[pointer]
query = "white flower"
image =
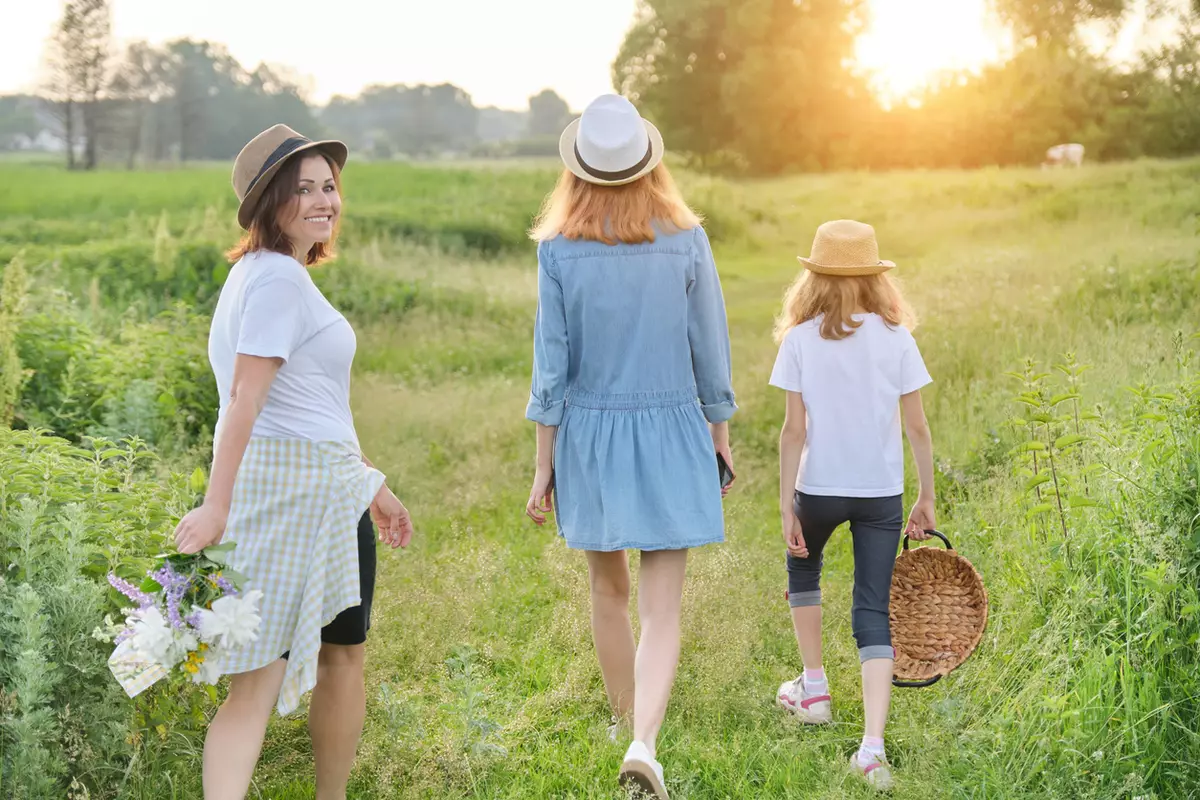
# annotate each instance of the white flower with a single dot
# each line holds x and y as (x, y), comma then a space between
(210, 671)
(154, 638)
(232, 622)
(151, 635)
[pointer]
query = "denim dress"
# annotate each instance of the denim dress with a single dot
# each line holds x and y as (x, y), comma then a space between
(630, 360)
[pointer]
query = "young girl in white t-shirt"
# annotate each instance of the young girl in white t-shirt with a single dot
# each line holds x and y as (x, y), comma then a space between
(851, 369)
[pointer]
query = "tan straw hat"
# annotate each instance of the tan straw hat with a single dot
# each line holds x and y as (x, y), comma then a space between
(610, 144)
(264, 155)
(845, 247)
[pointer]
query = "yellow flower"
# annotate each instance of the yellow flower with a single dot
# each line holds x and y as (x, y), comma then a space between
(191, 668)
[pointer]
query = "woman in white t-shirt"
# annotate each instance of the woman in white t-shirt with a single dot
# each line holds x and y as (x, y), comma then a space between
(290, 484)
(851, 369)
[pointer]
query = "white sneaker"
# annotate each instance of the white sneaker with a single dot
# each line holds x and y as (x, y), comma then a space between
(642, 772)
(876, 773)
(811, 709)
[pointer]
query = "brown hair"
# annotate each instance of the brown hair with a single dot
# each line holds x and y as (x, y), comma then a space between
(264, 232)
(837, 298)
(610, 214)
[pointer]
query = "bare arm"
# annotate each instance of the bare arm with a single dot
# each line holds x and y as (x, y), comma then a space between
(540, 496)
(920, 440)
(791, 448)
(545, 447)
(252, 379)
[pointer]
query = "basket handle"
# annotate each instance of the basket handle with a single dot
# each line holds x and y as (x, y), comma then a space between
(930, 681)
(938, 534)
(915, 684)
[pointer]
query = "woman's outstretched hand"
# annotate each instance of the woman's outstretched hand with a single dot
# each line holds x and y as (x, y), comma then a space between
(391, 518)
(541, 500)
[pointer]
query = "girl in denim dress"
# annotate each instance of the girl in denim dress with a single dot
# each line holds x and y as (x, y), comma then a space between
(631, 392)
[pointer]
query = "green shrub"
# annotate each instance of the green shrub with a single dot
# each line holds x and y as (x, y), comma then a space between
(67, 516)
(150, 379)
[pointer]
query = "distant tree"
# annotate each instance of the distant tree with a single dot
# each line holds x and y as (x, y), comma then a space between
(77, 66)
(417, 120)
(1040, 22)
(498, 124)
(137, 84)
(548, 113)
(18, 120)
(765, 78)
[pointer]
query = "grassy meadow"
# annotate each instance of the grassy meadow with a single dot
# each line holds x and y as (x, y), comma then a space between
(481, 678)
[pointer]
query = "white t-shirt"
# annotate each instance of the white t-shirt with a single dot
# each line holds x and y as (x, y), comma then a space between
(270, 307)
(851, 389)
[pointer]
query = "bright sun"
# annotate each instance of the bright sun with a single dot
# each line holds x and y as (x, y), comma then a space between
(908, 42)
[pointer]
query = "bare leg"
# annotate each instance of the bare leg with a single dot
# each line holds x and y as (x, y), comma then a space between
(660, 595)
(806, 620)
(236, 733)
(611, 629)
(335, 716)
(877, 694)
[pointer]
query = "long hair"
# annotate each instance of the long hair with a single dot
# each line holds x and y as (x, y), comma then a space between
(264, 232)
(836, 298)
(610, 214)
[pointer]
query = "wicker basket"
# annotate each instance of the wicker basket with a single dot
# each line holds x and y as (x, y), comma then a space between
(938, 611)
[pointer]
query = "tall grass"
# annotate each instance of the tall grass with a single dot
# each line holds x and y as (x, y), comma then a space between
(482, 681)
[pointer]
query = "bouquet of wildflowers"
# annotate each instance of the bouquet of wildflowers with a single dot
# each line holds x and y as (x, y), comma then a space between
(190, 610)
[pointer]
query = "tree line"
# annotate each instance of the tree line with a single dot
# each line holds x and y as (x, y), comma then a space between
(191, 100)
(746, 86)
(767, 86)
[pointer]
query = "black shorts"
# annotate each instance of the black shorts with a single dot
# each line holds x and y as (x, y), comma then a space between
(351, 625)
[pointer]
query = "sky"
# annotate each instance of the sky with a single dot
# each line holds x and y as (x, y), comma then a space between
(500, 51)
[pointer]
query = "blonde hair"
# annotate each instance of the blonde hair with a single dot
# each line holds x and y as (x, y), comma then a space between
(610, 214)
(838, 298)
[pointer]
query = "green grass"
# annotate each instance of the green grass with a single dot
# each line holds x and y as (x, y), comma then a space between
(482, 625)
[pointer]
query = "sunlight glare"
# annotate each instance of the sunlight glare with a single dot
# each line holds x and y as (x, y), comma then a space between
(908, 42)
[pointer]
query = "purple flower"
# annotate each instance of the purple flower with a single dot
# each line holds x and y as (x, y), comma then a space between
(225, 586)
(174, 587)
(126, 588)
(123, 635)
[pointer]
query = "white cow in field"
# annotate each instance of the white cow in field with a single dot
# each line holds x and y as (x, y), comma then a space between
(1063, 154)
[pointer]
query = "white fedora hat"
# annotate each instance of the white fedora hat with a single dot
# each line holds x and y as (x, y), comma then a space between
(610, 144)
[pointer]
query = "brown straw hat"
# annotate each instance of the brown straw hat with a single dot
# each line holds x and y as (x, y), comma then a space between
(847, 248)
(264, 155)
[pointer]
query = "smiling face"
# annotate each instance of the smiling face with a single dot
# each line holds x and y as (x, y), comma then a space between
(311, 216)
(298, 213)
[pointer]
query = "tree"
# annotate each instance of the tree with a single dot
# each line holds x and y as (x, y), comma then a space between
(138, 84)
(417, 120)
(77, 60)
(548, 113)
(766, 79)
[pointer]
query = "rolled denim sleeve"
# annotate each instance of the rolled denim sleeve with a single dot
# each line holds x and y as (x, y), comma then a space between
(708, 335)
(549, 345)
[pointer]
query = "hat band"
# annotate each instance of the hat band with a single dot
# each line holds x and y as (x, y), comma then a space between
(619, 175)
(285, 149)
